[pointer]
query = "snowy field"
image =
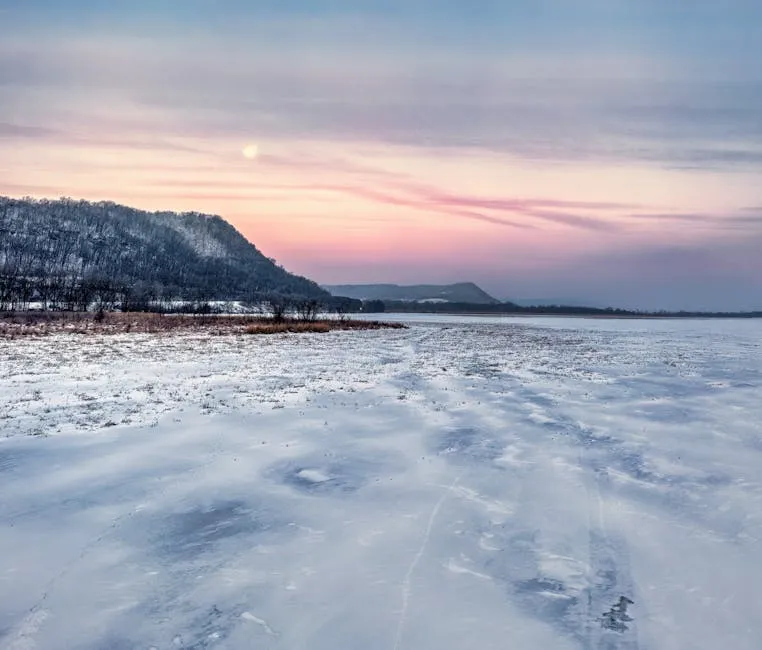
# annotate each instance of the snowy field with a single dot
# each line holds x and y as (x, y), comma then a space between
(467, 483)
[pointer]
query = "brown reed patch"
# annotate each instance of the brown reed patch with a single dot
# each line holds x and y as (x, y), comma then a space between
(18, 324)
(279, 328)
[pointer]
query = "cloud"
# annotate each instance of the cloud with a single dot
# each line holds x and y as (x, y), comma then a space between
(509, 204)
(340, 85)
(399, 190)
(534, 211)
(745, 219)
(8, 130)
(575, 220)
(306, 163)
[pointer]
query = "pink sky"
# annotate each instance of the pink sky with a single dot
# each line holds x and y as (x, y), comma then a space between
(632, 172)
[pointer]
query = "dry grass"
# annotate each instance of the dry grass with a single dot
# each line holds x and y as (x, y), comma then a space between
(16, 324)
(279, 328)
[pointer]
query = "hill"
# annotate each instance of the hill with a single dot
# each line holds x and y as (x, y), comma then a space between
(67, 253)
(462, 292)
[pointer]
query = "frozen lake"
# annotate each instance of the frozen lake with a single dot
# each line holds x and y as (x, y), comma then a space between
(469, 482)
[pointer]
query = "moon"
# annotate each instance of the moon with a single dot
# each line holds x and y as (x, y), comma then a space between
(250, 151)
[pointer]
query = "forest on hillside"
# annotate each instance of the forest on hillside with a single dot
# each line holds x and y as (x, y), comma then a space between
(71, 254)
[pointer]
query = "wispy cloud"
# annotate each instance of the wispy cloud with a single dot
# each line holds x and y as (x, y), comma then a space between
(574, 107)
(533, 211)
(746, 219)
(21, 131)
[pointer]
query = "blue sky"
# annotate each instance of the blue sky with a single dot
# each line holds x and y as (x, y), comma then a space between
(415, 141)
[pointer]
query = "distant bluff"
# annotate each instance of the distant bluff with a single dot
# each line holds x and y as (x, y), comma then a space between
(461, 292)
(185, 255)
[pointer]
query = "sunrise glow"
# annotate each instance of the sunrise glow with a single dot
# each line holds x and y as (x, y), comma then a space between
(550, 166)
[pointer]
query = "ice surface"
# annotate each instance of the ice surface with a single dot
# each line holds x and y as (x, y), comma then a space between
(466, 483)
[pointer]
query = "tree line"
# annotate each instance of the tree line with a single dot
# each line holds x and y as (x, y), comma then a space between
(554, 310)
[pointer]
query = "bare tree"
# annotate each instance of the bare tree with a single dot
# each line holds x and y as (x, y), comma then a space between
(278, 306)
(342, 307)
(308, 309)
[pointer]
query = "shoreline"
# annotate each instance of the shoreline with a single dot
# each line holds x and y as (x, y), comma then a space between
(740, 316)
(616, 317)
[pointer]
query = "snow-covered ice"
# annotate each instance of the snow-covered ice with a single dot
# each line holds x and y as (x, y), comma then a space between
(465, 483)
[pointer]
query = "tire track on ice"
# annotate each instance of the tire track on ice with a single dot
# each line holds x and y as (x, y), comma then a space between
(407, 582)
(609, 569)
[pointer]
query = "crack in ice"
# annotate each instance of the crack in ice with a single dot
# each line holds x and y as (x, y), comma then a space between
(406, 583)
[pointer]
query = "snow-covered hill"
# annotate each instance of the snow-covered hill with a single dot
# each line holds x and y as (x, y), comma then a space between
(461, 292)
(187, 255)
